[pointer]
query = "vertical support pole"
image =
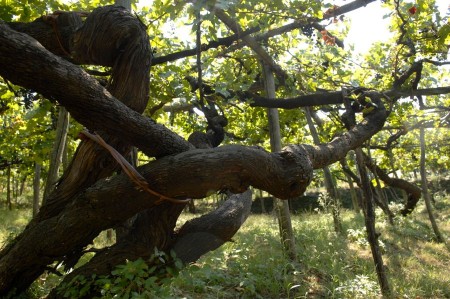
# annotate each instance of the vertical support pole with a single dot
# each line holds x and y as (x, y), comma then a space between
(281, 206)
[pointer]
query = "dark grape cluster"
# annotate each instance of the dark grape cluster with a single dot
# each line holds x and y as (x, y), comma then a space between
(28, 98)
(307, 30)
(3, 107)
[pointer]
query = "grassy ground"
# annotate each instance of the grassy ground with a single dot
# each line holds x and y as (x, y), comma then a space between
(329, 266)
(12, 223)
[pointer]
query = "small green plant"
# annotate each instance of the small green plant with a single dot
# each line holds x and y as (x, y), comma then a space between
(359, 287)
(78, 287)
(358, 236)
(134, 279)
(395, 207)
(325, 202)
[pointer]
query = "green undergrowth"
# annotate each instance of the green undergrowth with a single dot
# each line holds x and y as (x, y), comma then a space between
(12, 223)
(329, 265)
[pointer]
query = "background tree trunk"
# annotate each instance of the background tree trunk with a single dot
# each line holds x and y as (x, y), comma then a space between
(368, 205)
(263, 206)
(426, 194)
(191, 207)
(22, 185)
(36, 187)
(372, 236)
(281, 207)
(62, 128)
(353, 193)
(329, 183)
(382, 198)
(65, 156)
(15, 184)
(8, 187)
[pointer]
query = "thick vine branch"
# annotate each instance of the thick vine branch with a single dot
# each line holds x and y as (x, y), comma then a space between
(83, 96)
(111, 201)
(307, 100)
(334, 97)
(87, 101)
(346, 8)
(326, 154)
(210, 231)
(195, 238)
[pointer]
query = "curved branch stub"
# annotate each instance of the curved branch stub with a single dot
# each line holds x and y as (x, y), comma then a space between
(210, 231)
(298, 170)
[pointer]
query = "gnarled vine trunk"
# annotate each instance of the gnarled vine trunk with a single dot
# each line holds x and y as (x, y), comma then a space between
(90, 197)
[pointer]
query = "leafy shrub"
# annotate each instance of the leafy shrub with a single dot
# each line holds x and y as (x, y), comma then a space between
(359, 236)
(134, 279)
(359, 287)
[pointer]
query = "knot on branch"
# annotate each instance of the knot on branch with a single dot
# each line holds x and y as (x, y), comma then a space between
(297, 172)
(215, 132)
